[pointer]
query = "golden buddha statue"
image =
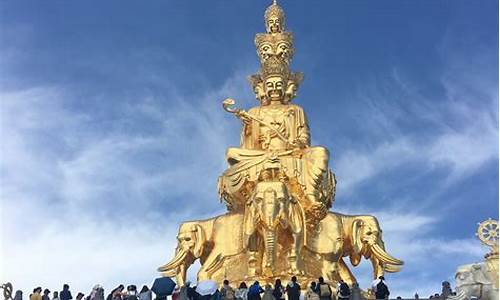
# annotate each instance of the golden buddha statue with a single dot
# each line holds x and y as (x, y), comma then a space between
(276, 133)
(278, 190)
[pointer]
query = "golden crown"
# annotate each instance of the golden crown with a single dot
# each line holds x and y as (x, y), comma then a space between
(279, 44)
(275, 67)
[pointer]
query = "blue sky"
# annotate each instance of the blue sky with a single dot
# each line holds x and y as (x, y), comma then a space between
(113, 133)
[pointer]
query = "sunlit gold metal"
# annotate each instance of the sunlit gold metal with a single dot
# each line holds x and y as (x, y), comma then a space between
(278, 190)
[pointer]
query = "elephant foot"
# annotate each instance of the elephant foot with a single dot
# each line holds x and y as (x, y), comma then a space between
(294, 269)
(268, 271)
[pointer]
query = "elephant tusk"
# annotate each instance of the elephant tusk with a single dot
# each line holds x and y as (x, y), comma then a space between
(175, 262)
(392, 268)
(216, 263)
(384, 257)
(459, 296)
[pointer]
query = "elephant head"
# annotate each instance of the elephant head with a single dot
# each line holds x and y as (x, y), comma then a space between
(271, 206)
(190, 241)
(473, 280)
(365, 238)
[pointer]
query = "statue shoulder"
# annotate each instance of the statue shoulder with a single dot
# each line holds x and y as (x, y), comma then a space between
(296, 107)
(254, 110)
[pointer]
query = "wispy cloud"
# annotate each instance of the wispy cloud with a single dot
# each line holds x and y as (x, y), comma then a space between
(97, 204)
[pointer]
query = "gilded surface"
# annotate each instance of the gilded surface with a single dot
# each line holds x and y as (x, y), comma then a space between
(278, 189)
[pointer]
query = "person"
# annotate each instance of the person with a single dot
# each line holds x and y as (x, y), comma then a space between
(279, 291)
(254, 291)
(323, 289)
(145, 293)
(36, 294)
(55, 295)
(381, 290)
(242, 292)
(131, 293)
(268, 292)
(416, 295)
(227, 292)
(293, 289)
(97, 293)
(116, 293)
(176, 292)
(343, 290)
(192, 294)
(18, 295)
(399, 298)
(79, 296)
(46, 294)
(311, 292)
(436, 295)
(355, 292)
(65, 294)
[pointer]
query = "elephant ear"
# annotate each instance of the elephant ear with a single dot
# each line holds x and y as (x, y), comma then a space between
(295, 217)
(249, 222)
(357, 242)
(200, 240)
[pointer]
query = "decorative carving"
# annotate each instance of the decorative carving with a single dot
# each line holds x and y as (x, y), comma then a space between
(278, 190)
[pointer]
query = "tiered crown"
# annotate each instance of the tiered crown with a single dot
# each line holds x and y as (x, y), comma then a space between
(275, 50)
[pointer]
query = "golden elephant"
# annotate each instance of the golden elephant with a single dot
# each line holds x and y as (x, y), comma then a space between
(273, 217)
(337, 236)
(212, 241)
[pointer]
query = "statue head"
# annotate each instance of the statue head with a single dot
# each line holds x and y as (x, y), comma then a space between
(274, 18)
(275, 76)
(274, 88)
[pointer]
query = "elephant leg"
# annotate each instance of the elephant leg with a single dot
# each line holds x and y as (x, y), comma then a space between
(378, 267)
(329, 268)
(253, 268)
(345, 274)
(181, 275)
(294, 258)
(210, 264)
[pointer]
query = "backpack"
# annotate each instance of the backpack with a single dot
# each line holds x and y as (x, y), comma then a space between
(344, 289)
(254, 290)
(382, 289)
(324, 290)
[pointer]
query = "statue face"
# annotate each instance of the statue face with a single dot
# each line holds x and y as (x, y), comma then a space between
(274, 87)
(283, 50)
(266, 51)
(274, 25)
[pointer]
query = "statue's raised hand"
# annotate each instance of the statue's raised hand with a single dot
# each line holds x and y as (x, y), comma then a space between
(241, 114)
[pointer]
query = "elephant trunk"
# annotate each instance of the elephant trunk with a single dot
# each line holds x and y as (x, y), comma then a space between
(270, 245)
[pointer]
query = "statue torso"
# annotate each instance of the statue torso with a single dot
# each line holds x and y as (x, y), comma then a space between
(280, 125)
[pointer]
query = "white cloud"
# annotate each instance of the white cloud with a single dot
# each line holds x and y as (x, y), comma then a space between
(80, 203)
(461, 133)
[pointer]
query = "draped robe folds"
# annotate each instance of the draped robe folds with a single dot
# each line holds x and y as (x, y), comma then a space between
(261, 145)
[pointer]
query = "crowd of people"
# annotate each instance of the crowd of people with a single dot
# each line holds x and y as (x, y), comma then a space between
(319, 290)
(97, 293)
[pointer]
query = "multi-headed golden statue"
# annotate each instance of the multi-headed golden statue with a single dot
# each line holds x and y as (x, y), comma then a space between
(278, 190)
